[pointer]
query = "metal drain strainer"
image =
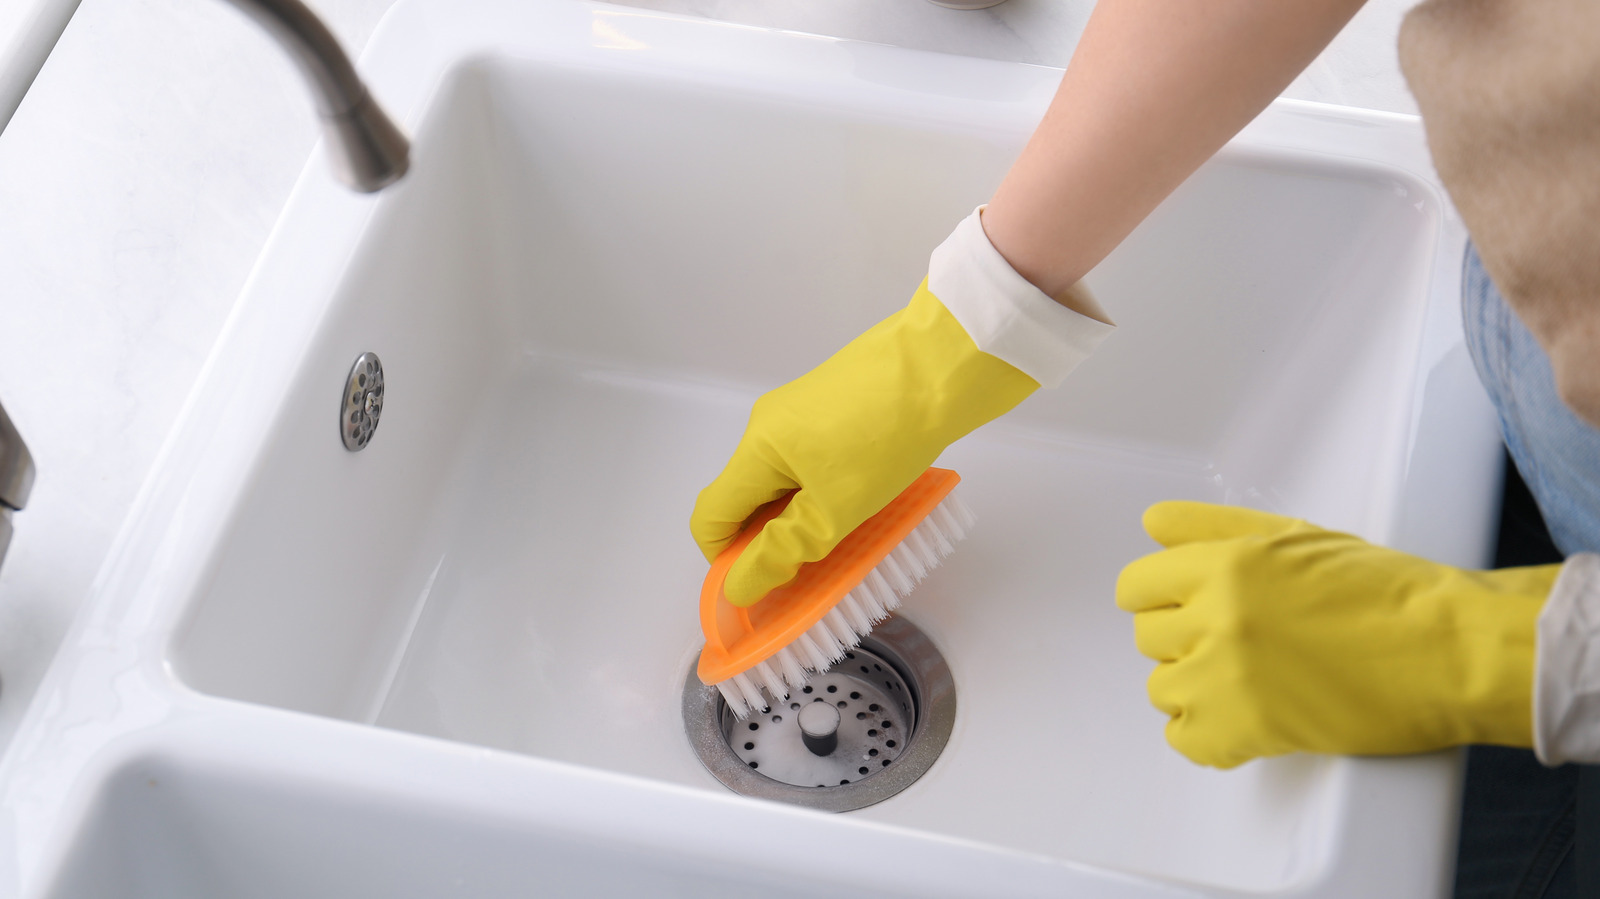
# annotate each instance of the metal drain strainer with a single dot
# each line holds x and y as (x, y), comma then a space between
(868, 715)
(857, 734)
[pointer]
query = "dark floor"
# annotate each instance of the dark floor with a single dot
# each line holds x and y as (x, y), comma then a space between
(1518, 817)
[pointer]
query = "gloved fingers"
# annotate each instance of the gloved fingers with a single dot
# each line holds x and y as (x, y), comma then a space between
(1189, 736)
(805, 531)
(1167, 689)
(747, 483)
(1177, 522)
(1166, 635)
(1172, 691)
(1196, 730)
(1188, 731)
(1164, 579)
(1207, 746)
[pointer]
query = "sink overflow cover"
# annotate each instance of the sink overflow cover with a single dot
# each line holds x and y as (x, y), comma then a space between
(362, 403)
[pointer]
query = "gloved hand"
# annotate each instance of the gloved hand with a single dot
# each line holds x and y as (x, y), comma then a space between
(1277, 636)
(849, 436)
(854, 432)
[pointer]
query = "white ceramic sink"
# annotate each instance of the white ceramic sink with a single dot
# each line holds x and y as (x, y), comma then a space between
(453, 661)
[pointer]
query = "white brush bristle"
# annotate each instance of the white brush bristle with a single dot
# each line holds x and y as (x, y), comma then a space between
(841, 630)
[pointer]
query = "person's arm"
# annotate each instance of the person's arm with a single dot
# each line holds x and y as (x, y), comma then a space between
(1154, 88)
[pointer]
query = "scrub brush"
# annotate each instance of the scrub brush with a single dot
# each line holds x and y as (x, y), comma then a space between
(809, 623)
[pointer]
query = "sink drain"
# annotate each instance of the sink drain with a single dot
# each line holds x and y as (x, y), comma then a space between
(856, 734)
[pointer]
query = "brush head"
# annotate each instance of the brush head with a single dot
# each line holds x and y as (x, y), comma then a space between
(809, 623)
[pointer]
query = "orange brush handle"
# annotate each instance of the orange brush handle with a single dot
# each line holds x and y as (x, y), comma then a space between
(738, 639)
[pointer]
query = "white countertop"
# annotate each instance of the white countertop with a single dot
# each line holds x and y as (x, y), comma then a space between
(143, 171)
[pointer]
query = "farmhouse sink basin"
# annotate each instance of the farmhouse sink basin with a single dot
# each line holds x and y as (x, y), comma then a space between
(452, 662)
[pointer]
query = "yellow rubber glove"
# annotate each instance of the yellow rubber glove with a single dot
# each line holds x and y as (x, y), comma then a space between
(1277, 636)
(850, 435)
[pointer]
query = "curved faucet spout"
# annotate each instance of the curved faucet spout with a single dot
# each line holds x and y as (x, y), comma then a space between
(369, 151)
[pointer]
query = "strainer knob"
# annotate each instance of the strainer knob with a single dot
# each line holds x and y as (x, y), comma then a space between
(819, 728)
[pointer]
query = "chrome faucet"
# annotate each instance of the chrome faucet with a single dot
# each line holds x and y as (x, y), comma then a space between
(369, 152)
(16, 477)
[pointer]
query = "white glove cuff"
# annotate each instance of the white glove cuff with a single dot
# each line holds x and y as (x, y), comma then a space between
(1007, 316)
(1566, 674)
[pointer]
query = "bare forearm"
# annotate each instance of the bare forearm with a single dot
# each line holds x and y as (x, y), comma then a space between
(1153, 90)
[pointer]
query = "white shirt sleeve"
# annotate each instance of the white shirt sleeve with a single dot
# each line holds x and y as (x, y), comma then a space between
(1007, 316)
(1566, 677)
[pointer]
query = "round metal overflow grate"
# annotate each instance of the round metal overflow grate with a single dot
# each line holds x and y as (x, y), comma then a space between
(855, 735)
(363, 402)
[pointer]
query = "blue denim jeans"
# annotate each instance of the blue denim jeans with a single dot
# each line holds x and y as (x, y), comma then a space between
(1520, 819)
(1557, 453)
